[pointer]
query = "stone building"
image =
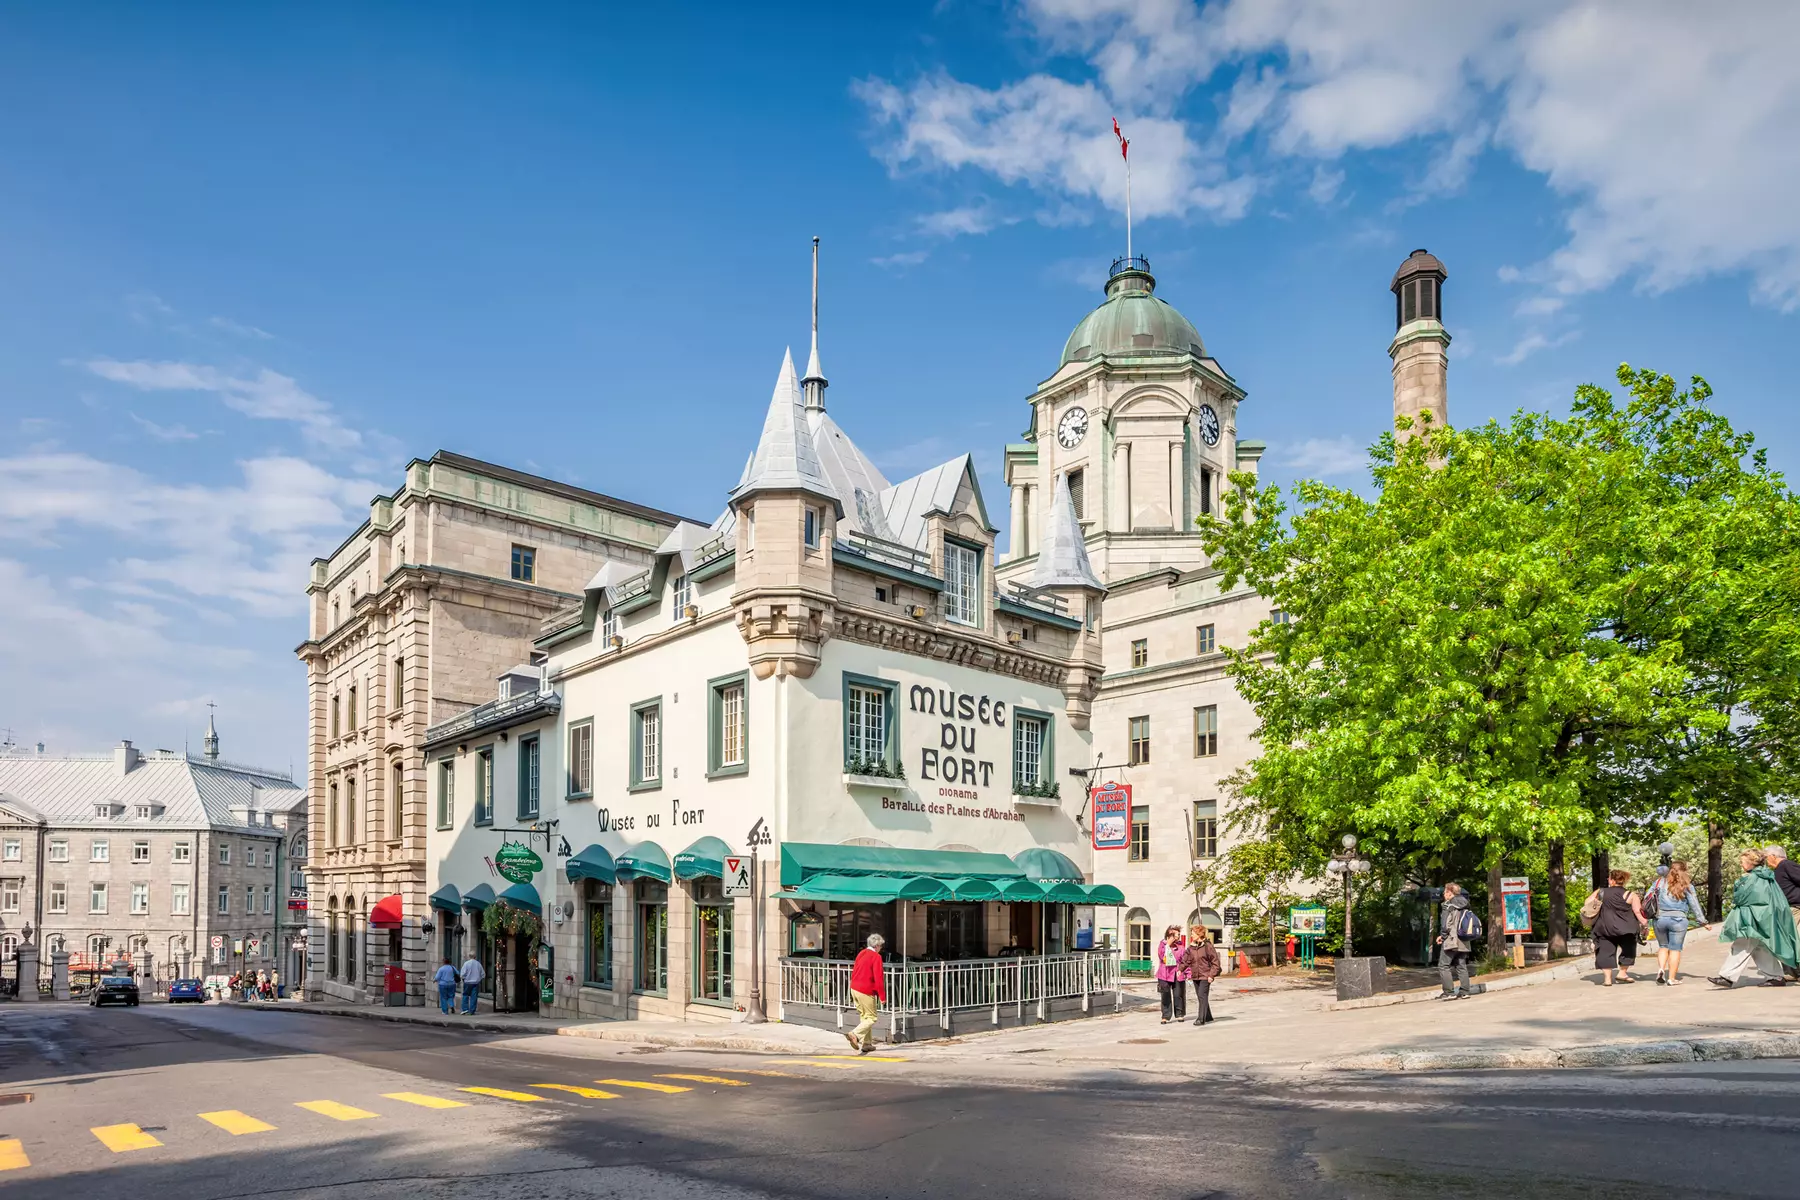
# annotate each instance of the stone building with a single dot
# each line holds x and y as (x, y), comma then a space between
(411, 619)
(147, 856)
(1141, 423)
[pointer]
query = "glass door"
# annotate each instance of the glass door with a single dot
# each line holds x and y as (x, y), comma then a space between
(712, 943)
(652, 938)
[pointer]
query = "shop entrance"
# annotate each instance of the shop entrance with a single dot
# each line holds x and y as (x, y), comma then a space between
(513, 974)
(712, 943)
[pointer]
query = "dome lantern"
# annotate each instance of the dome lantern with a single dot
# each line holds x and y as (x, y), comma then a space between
(1133, 321)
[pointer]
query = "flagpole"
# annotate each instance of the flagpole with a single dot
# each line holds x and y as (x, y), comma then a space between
(1128, 206)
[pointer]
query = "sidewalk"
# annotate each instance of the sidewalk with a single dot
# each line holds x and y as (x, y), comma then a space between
(1559, 1018)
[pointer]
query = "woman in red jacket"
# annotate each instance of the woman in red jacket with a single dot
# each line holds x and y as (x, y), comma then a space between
(868, 988)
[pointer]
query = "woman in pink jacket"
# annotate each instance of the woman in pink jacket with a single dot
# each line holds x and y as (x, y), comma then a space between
(1171, 977)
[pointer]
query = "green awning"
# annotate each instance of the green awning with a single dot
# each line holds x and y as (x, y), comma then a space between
(1064, 893)
(646, 860)
(521, 895)
(447, 899)
(706, 857)
(868, 889)
(1022, 891)
(973, 889)
(595, 862)
(1104, 893)
(478, 897)
(800, 861)
(1048, 866)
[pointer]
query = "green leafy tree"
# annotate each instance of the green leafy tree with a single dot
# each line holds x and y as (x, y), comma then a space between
(1261, 872)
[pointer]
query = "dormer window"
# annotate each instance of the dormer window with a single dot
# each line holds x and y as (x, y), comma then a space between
(684, 596)
(962, 582)
(145, 812)
(609, 626)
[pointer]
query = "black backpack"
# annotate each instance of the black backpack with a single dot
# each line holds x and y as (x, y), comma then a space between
(1468, 926)
(1647, 902)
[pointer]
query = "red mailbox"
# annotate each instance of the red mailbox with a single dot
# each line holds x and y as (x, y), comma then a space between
(395, 979)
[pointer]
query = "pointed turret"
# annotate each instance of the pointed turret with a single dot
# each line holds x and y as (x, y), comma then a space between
(210, 744)
(785, 458)
(814, 384)
(1062, 550)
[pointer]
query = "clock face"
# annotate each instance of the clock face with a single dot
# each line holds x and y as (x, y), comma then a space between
(1072, 428)
(1209, 425)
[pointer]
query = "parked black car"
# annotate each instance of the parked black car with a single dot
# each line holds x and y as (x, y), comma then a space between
(118, 988)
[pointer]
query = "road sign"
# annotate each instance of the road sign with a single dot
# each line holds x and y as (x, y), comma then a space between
(255, 943)
(218, 943)
(517, 862)
(1112, 816)
(737, 877)
(297, 905)
(1234, 916)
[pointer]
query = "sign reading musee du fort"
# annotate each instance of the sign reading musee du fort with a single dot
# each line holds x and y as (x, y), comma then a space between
(952, 748)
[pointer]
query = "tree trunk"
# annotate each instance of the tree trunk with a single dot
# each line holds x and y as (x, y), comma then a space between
(1602, 864)
(1715, 872)
(1559, 903)
(1496, 912)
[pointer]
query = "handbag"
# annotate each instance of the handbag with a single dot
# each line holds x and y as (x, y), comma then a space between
(1590, 910)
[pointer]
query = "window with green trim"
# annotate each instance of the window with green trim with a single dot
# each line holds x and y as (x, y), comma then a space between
(530, 772)
(871, 715)
(728, 726)
(962, 583)
(1034, 768)
(646, 744)
(581, 757)
(484, 786)
(446, 799)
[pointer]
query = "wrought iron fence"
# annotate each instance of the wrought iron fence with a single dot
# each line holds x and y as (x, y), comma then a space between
(1009, 986)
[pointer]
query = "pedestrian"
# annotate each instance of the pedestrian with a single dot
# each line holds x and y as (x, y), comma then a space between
(275, 984)
(1201, 961)
(1787, 876)
(472, 975)
(1617, 917)
(446, 978)
(1672, 899)
(1170, 988)
(1453, 948)
(868, 988)
(1760, 926)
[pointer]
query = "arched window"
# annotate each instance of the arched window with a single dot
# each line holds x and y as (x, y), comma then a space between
(1209, 918)
(331, 939)
(1137, 936)
(9, 947)
(352, 923)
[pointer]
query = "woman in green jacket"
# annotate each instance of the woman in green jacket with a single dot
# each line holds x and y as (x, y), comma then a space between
(1760, 927)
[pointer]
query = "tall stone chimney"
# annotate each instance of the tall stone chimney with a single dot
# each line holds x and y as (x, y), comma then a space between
(125, 758)
(1421, 344)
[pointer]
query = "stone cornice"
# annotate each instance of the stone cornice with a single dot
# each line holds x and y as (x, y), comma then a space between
(937, 642)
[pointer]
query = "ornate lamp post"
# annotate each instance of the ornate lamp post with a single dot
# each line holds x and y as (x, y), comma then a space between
(1346, 863)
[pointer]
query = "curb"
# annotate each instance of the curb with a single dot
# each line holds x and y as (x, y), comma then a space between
(1543, 975)
(1735, 1048)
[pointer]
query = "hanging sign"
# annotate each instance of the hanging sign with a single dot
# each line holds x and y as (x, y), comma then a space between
(517, 862)
(1515, 903)
(1112, 816)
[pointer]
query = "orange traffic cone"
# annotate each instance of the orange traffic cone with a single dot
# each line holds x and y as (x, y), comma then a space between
(1243, 964)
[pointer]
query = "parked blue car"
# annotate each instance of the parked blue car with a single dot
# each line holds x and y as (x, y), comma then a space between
(186, 990)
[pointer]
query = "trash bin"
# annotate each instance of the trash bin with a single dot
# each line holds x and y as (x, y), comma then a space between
(395, 978)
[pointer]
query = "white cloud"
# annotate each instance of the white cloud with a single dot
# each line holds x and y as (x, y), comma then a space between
(1325, 184)
(1531, 343)
(1667, 129)
(1317, 458)
(238, 329)
(165, 433)
(266, 395)
(906, 258)
(957, 222)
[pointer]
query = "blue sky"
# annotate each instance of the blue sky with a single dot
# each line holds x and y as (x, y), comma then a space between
(251, 262)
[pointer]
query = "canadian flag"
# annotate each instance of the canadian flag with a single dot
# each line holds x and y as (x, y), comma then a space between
(1124, 142)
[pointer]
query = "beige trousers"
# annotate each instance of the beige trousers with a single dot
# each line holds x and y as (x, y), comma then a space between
(869, 1009)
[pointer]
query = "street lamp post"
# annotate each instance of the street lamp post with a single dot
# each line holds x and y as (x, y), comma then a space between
(1346, 863)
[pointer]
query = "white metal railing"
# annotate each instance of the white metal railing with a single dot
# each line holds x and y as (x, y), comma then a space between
(962, 986)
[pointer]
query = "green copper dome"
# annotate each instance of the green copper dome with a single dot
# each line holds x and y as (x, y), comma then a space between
(1133, 321)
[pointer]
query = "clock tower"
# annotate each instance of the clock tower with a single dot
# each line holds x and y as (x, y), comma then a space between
(1141, 423)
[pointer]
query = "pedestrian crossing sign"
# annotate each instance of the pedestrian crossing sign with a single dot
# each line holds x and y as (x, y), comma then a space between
(737, 877)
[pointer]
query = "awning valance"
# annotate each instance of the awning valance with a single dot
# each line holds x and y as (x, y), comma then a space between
(973, 889)
(646, 860)
(1022, 891)
(595, 862)
(800, 861)
(447, 899)
(1064, 893)
(1104, 893)
(706, 857)
(868, 889)
(478, 898)
(1048, 866)
(521, 895)
(386, 913)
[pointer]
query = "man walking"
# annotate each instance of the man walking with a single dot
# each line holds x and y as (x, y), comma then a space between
(868, 987)
(1454, 953)
(445, 978)
(1787, 876)
(472, 975)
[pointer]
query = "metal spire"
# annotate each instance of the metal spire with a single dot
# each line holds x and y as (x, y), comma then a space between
(814, 385)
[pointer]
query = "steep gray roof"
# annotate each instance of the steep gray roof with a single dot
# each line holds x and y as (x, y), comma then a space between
(785, 458)
(1062, 558)
(193, 793)
(907, 504)
(685, 541)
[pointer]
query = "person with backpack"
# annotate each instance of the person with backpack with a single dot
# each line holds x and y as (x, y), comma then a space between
(1460, 928)
(1667, 906)
(1617, 917)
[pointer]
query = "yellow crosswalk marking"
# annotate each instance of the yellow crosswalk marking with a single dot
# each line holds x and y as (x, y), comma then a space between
(12, 1155)
(334, 1110)
(772, 1074)
(503, 1094)
(586, 1092)
(422, 1100)
(234, 1122)
(643, 1085)
(809, 1062)
(120, 1138)
(707, 1079)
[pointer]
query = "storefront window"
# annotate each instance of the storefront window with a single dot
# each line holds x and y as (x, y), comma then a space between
(652, 937)
(850, 927)
(712, 943)
(955, 931)
(597, 967)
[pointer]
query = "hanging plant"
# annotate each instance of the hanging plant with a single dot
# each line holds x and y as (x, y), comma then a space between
(516, 922)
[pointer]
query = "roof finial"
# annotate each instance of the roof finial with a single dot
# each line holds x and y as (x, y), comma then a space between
(210, 744)
(814, 385)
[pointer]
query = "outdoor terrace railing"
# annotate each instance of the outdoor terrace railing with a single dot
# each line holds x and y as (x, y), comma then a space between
(995, 985)
(892, 553)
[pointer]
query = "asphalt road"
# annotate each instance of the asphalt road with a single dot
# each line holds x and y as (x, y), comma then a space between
(212, 1101)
